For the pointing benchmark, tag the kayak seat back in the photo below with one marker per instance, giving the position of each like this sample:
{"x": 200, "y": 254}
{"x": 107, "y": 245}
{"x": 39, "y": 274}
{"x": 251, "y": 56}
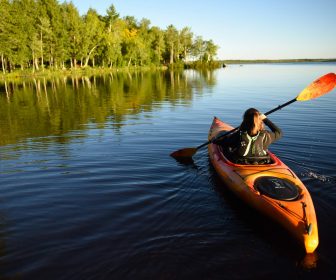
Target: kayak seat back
{"x": 276, "y": 188}
{"x": 260, "y": 160}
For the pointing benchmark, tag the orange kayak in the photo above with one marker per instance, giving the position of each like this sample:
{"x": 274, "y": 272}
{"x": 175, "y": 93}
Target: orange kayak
{"x": 272, "y": 188}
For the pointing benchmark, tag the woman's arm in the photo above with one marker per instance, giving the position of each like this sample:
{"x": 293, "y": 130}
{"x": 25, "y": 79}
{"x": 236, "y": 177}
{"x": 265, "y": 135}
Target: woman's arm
{"x": 271, "y": 136}
{"x": 276, "y": 130}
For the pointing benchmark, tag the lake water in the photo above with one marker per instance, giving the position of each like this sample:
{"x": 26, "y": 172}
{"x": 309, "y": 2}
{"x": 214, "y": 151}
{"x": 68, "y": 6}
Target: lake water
{"x": 89, "y": 191}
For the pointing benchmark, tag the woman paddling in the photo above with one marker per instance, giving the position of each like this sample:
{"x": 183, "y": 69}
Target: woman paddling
{"x": 249, "y": 144}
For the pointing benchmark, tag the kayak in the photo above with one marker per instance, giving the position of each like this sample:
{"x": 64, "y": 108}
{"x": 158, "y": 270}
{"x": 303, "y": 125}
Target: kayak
{"x": 271, "y": 188}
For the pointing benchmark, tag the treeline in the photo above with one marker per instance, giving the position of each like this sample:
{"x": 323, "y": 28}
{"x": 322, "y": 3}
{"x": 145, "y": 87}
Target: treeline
{"x": 39, "y": 34}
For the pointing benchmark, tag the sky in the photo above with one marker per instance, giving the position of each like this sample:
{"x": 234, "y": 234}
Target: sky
{"x": 243, "y": 29}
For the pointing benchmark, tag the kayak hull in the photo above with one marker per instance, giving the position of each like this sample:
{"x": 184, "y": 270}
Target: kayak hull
{"x": 297, "y": 216}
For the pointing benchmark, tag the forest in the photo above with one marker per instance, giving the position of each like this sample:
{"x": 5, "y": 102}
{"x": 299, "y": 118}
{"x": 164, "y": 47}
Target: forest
{"x": 44, "y": 34}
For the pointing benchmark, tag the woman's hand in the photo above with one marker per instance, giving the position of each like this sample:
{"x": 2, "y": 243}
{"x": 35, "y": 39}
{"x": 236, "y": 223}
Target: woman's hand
{"x": 262, "y": 117}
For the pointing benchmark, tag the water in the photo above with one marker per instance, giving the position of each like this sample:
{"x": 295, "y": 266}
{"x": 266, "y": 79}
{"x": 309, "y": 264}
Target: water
{"x": 88, "y": 190}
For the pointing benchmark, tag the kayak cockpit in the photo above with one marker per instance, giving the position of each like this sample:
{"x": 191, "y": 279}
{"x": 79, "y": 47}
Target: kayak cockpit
{"x": 260, "y": 160}
{"x": 267, "y": 185}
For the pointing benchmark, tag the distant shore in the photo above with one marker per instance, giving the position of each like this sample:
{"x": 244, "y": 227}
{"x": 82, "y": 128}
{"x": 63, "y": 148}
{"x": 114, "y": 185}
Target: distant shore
{"x": 305, "y": 60}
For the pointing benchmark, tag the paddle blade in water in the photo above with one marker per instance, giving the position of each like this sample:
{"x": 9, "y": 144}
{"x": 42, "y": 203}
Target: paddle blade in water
{"x": 318, "y": 88}
{"x": 187, "y": 152}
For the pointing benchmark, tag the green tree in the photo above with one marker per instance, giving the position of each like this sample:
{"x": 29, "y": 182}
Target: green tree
{"x": 111, "y": 17}
{"x": 111, "y": 46}
{"x": 198, "y": 48}
{"x": 45, "y": 34}
{"x": 93, "y": 34}
{"x": 130, "y": 44}
{"x": 171, "y": 41}
{"x": 158, "y": 45}
{"x": 210, "y": 50}
{"x": 74, "y": 27}
{"x": 54, "y": 46}
{"x": 114, "y": 37}
{"x": 5, "y": 37}
{"x": 144, "y": 42}
{"x": 20, "y": 30}
{"x": 186, "y": 40}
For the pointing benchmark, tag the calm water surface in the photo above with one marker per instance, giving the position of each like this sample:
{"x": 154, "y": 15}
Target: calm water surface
{"x": 88, "y": 190}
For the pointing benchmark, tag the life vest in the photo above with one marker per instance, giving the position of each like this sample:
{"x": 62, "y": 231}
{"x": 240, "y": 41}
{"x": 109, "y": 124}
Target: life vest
{"x": 251, "y": 146}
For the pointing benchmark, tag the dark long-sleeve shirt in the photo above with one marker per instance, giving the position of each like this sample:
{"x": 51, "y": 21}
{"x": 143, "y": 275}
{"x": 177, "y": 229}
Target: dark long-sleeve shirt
{"x": 237, "y": 147}
{"x": 276, "y": 133}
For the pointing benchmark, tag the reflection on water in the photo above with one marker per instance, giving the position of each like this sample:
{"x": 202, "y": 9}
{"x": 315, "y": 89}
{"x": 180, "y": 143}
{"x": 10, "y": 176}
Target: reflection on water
{"x": 309, "y": 261}
{"x": 41, "y": 107}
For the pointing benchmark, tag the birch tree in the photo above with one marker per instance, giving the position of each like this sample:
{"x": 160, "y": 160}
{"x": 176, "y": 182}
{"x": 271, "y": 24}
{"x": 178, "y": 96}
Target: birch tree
{"x": 171, "y": 41}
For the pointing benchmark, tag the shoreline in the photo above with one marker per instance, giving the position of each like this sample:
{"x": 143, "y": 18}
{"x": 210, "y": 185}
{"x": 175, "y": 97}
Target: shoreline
{"x": 80, "y": 71}
{"x": 49, "y": 73}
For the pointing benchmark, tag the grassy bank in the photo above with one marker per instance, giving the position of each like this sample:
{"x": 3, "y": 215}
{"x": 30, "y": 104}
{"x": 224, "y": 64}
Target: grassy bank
{"x": 87, "y": 71}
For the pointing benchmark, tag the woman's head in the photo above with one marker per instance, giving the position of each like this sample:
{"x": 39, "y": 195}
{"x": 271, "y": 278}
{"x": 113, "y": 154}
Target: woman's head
{"x": 252, "y": 122}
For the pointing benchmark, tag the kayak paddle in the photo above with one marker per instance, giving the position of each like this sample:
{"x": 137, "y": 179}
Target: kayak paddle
{"x": 316, "y": 89}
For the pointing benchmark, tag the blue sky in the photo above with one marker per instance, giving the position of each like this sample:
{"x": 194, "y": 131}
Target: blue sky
{"x": 243, "y": 29}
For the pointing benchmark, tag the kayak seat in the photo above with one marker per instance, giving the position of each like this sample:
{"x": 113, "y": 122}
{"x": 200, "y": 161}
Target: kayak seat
{"x": 260, "y": 160}
{"x": 276, "y": 188}
{"x": 255, "y": 160}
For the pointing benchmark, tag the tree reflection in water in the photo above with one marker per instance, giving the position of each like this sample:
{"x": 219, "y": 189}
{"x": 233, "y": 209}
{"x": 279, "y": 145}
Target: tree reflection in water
{"x": 40, "y": 107}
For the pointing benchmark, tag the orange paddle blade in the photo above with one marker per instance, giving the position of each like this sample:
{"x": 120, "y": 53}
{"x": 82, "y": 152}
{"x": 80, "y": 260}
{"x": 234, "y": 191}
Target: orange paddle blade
{"x": 187, "y": 152}
{"x": 318, "y": 88}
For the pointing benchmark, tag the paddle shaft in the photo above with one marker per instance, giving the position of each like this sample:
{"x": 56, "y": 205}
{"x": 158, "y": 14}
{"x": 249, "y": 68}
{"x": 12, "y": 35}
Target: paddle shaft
{"x": 233, "y": 130}
{"x": 280, "y": 107}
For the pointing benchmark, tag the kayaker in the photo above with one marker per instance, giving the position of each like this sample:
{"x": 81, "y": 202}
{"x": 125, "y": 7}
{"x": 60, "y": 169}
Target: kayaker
{"x": 249, "y": 144}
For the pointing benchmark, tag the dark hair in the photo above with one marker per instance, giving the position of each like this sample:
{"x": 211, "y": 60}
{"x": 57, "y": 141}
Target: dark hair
{"x": 249, "y": 121}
